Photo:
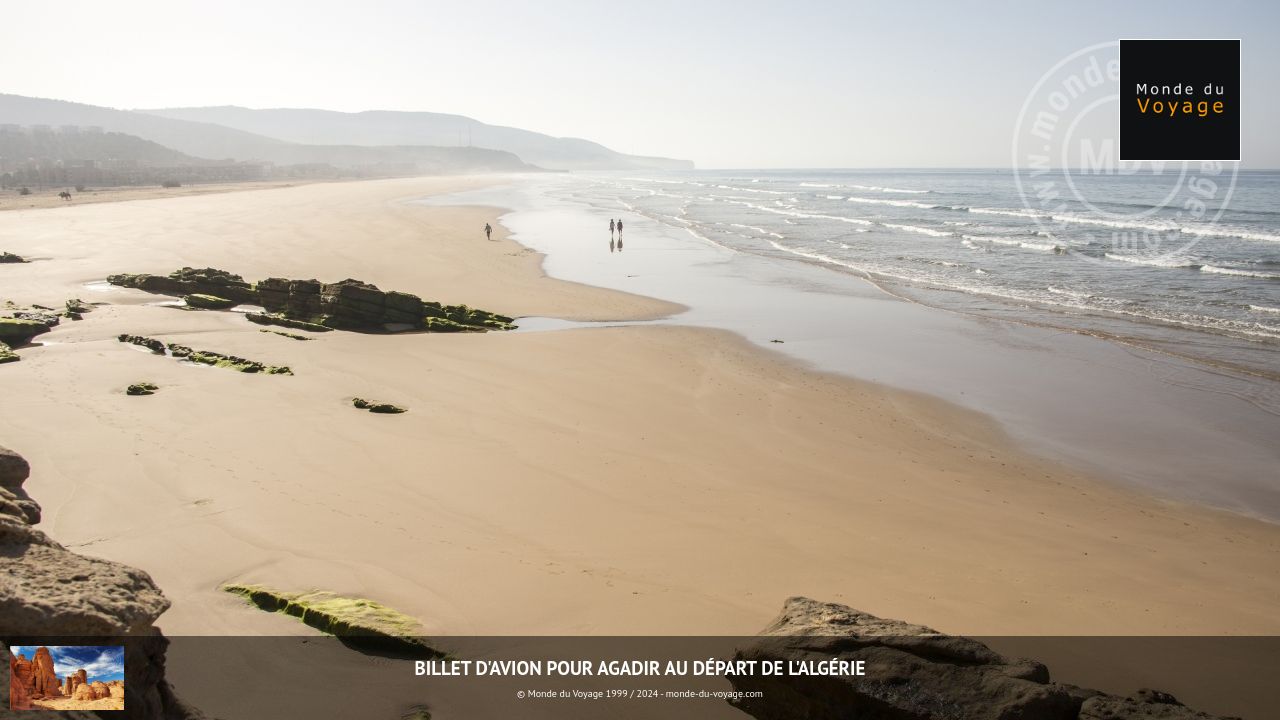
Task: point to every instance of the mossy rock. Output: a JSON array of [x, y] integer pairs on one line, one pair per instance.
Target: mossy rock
[[231, 362], [377, 407], [208, 302], [445, 325], [281, 333], [142, 388], [271, 319], [151, 344], [15, 331], [359, 622], [7, 355], [8, 257]]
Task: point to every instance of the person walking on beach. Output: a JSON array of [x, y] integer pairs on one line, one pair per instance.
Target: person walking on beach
[[619, 228], [488, 231], [610, 229]]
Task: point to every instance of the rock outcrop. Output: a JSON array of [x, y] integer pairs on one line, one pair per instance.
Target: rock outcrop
[[19, 331], [142, 388], [151, 344], [44, 679], [51, 593], [8, 257], [915, 673], [377, 407], [7, 355], [312, 305], [14, 501], [191, 281], [355, 305], [360, 623], [208, 302], [267, 319], [206, 357], [20, 682]]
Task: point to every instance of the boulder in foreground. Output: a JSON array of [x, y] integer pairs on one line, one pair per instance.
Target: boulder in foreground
[[50, 592], [915, 673]]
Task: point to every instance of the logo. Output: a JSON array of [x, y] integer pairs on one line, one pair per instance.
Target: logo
[[1074, 183]]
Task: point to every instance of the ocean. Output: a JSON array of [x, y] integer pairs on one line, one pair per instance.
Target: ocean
[[1116, 257], [1155, 364]]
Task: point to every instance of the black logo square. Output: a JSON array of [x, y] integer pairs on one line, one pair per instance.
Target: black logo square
[[1179, 99]]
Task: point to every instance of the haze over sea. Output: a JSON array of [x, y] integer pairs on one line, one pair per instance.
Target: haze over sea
[[965, 240]]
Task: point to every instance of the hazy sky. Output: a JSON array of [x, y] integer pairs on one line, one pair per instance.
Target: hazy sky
[[726, 84]]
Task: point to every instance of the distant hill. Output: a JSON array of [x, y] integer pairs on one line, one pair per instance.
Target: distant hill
[[18, 146], [216, 142], [383, 127]]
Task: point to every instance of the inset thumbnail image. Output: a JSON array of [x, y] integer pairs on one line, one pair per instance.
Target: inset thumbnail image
[[66, 677]]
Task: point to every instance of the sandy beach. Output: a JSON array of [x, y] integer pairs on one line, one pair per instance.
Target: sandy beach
[[630, 480], [41, 198]]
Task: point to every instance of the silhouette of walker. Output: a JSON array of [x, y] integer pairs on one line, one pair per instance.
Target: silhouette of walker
[[619, 228], [610, 229], [488, 231]]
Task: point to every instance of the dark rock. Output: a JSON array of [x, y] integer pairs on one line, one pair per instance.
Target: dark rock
[[189, 281], [16, 331], [915, 673], [49, 319], [1143, 705], [151, 344], [142, 388], [18, 505], [14, 469], [78, 306], [377, 407], [8, 257], [7, 355], [264, 319], [208, 302], [232, 362]]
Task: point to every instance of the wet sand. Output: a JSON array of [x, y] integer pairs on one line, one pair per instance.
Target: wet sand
[[632, 480]]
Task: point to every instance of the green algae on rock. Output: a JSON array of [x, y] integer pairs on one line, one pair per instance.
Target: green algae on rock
[[7, 355], [282, 321], [18, 331], [208, 302], [8, 257], [357, 621], [232, 362], [281, 333], [142, 388], [310, 304], [188, 281], [377, 407]]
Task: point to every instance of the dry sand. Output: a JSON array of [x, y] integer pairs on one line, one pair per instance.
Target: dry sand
[[65, 704], [601, 481], [48, 197]]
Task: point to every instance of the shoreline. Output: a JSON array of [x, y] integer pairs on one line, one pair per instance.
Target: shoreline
[[1173, 428], [604, 455]]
